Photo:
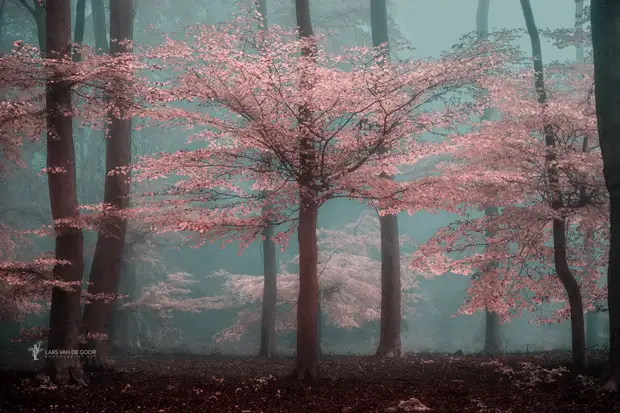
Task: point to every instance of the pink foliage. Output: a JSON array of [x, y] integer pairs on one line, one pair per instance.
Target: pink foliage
[[349, 282], [241, 104], [502, 163]]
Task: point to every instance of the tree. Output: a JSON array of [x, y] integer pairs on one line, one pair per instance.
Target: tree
[[492, 340], [504, 163], [65, 307], [105, 270], [562, 266], [605, 23], [270, 271], [389, 336], [324, 140]]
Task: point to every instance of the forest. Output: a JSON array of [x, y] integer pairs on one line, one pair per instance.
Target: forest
[[309, 206]]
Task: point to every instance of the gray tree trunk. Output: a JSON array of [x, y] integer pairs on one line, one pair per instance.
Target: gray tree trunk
[[389, 335], [492, 330]]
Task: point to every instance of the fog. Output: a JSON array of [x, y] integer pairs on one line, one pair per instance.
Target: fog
[[430, 324]]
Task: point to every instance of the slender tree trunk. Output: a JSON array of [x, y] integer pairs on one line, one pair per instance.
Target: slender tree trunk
[[123, 331], [605, 15], [579, 29], [105, 271], [268, 327], [40, 19], [78, 36], [270, 271], [308, 301], [562, 268], [99, 26], [389, 335], [492, 326], [65, 308]]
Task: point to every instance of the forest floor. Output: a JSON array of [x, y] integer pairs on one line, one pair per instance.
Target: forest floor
[[441, 383]]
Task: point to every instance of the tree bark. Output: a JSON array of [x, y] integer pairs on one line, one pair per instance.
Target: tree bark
[[308, 301], [389, 335], [65, 306], [40, 17], [99, 26], [270, 271], [268, 321], [605, 19], [105, 270], [492, 326], [78, 36], [562, 268]]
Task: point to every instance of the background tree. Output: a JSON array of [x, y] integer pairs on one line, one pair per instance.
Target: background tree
[[106, 266]]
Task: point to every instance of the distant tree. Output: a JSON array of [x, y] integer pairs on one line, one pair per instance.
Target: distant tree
[[105, 270], [492, 340], [389, 335]]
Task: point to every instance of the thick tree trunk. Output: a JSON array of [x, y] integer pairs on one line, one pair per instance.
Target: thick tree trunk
[[65, 307], [268, 321], [99, 26], [492, 339], [105, 271], [389, 335], [308, 301], [605, 15], [562, 268]]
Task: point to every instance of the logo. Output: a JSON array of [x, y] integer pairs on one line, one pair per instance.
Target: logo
[[35, 350]]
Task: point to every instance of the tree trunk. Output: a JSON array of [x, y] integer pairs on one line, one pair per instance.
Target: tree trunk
[[78, 36], [389, 335], [40, 17], [65, 307], [492, 326], [268, 321], [605, 15], [579, 29], [105, 271], [308, 301], [562, 268], [492, 339], [99, 26], [270, 271], [123, 323]]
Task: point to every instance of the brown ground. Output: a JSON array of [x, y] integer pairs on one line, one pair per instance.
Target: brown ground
[[514, 384]]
